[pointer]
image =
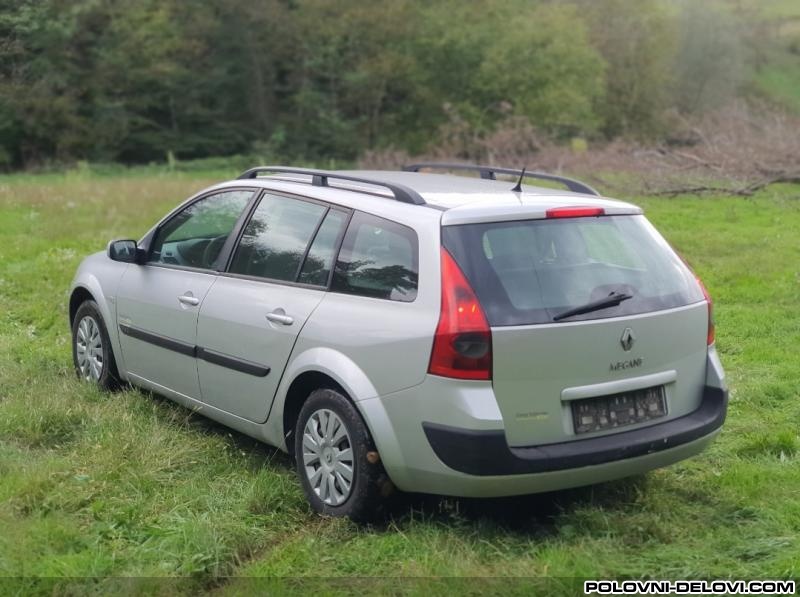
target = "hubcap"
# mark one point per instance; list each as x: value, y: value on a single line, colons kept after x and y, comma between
x: 89, y: 349
x: 328, y: 457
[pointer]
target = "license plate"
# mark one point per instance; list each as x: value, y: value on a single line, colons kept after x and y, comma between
x: 618, y: 410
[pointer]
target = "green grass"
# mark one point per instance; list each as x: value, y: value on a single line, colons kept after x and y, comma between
x: 780, y: 80
x: 97, y: 487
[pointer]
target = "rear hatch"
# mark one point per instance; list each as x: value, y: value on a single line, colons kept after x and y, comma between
x: 572, y: 358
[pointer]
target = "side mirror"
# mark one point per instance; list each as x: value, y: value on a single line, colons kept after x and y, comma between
x: 125, y: 251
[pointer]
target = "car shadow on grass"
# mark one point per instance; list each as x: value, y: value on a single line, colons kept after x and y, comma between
x: 257, y: 453
x: 533, y: 514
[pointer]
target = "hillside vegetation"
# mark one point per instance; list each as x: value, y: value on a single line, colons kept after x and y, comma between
x: 160, y: 80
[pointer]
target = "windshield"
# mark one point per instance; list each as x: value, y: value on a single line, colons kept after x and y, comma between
x: 530, y: 271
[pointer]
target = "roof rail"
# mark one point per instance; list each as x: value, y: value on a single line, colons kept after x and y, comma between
x: 319, y: 178
x: 490, y: 173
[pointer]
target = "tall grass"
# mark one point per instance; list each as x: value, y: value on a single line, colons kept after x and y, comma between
x: 94, y: 487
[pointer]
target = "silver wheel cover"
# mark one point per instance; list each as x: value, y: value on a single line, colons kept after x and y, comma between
x: 89, y: 349
x: 328, y: 457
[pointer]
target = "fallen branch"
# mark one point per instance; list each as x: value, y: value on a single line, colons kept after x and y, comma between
x: 790, y: 177
x: 742, y: 191
x: 698, y: 190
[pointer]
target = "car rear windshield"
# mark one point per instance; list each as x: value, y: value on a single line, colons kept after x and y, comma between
x: 530, y: 271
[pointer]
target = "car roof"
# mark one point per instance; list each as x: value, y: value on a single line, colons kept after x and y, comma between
x: 455, y: 199
x: 471, y: 199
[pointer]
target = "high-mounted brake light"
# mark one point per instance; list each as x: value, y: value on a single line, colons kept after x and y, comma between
x: 462, y: 345
x: 574, y: 212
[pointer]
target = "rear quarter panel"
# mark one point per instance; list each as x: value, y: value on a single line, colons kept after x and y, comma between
x: 371, y: 347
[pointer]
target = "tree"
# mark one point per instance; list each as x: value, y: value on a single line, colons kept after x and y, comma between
x: 543, y: 66
x: 710, y: 62
x: 637, y: 39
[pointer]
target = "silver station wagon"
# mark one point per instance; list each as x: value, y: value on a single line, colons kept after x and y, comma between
x: 437, y: 333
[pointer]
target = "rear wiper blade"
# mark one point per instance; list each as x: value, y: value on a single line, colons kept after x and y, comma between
x: 612, y: 300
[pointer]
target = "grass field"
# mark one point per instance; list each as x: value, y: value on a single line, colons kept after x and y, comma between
x: 96, y: 487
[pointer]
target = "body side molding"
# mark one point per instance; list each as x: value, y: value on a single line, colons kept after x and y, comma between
x: 190, y: 350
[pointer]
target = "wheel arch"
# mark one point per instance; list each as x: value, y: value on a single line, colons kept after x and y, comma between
x: 315, y: 368
x: 79, y: 295
x: 300, y: 389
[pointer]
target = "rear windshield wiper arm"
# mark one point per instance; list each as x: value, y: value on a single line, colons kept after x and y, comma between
x: 612, y: 300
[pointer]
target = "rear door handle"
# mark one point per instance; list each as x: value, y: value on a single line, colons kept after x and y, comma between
x: 188, y: 299
x: 279, y: 316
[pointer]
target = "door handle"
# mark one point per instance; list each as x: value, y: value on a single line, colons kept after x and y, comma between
x: 188, y: 299
x: 279, y: 316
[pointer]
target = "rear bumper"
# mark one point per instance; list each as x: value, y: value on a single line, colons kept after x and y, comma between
x: 467, y: 459
x: 485, y: 452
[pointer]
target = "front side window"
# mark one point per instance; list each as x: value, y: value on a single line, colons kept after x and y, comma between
x: 379, y: 259
x: 195, y: 236
x: 275, y: 239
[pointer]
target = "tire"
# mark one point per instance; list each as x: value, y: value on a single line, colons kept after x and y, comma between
x: 364, y: 500
x: 90, y: 340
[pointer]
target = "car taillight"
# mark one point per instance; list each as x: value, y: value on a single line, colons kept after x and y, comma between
x: 711, y: 331
x: 574, y: 212
x: 462, y: 345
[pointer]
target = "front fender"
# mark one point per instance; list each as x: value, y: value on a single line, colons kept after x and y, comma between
x: 100, y: 276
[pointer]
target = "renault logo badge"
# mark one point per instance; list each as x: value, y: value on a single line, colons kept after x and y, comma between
x: 627, y: 339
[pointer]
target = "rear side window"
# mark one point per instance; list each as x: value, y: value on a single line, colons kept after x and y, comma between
x: 529, y: 271
x: 378, y: 259
x: 318, y: 263
x: 275, y: 239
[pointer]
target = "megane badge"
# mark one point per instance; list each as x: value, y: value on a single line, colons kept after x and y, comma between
x: 627, y: 339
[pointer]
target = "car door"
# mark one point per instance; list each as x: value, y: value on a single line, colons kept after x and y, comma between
x: 158, y: 302
x: 251, y: 317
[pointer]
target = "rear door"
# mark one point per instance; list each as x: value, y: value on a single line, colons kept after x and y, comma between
x: 643, y: 358
x: 158, y: 302
x: 251, y: 318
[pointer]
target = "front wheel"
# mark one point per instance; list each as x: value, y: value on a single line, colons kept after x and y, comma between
x: 91, y: 348
x: 335, y: 458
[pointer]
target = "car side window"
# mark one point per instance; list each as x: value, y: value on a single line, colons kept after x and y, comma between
x: 319, y: 261
x: 275, y: 239
x: 379, y: 259
x: 195, y: 236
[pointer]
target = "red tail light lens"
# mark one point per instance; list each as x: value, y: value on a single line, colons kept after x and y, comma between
x: 574, y: 212
x: 711, y: 329
x: 712, y: 332
x: 462, y: 345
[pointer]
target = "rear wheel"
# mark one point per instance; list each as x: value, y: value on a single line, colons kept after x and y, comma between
x: 336, y: 459
x: 91, y: 348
